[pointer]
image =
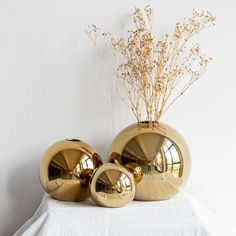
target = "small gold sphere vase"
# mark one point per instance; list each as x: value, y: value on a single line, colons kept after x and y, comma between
x: 157, y: 156
x: 112, y: 185
x: 66, y: 168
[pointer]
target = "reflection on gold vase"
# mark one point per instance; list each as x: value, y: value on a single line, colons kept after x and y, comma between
x: 157, y: 156
x: 66, y: 168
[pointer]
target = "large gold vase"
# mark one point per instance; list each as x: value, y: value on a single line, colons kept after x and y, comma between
x: 157, y: 156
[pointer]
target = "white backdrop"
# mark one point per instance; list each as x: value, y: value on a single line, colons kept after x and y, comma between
x: 55, y: 86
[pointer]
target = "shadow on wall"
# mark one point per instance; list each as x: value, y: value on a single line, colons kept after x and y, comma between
x: 25, y: 191
x: 97, y: 92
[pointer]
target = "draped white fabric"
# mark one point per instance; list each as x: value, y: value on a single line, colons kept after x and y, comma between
x: 180, y: 216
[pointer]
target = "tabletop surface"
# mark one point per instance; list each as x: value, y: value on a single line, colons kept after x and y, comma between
x: 179, y: 216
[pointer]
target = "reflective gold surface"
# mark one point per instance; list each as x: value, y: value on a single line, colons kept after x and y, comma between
x: 112, y: 186
x: 66, y: 168
x: 158, y: 158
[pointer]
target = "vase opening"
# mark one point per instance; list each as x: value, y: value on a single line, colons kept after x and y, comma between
x: 148, y: 124
x: 73, y: 140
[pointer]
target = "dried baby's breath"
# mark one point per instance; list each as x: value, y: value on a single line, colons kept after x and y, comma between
x: 152, y: 69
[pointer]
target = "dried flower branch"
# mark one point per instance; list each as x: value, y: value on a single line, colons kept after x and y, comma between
x: 151, y: 70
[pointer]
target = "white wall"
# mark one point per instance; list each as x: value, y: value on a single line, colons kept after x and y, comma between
x: 54, y: 86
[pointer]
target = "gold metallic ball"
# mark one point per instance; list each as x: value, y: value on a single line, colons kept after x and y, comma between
x: 66, y: 168
x: 158, y: 158
x: 112, y: 186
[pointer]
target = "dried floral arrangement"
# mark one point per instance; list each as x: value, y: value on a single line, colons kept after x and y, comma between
x: 150, y: 70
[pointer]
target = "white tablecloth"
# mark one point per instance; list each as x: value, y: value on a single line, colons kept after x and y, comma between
x: 180, y: 216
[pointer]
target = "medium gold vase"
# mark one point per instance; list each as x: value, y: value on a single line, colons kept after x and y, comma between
x: 66, y: 168
x: 157, y: 156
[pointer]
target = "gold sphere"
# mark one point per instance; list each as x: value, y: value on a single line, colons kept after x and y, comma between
x: 157, y: 156
x: 112, y: 186
x: 66, y: 168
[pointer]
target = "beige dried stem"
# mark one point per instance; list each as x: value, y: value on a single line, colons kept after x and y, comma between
x: 150, y: 70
